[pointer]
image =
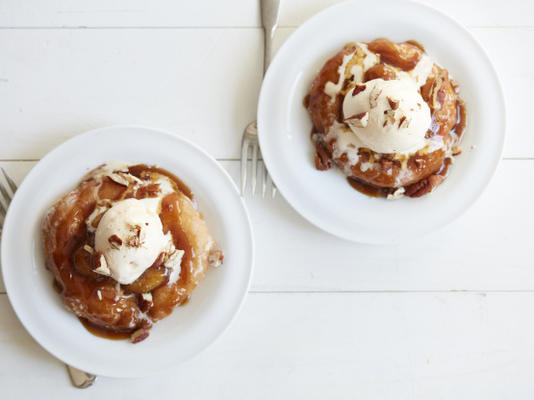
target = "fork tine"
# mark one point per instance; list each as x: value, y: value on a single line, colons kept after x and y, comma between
x: 5, y: 194
x: 264, y: 180
x: 254, y: 166
x: 10, y: 182
x: 3, y: 212
x: 244, y: 161
x: 274, y: 188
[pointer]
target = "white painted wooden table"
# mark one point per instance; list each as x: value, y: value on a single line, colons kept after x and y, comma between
x: 448, y: 317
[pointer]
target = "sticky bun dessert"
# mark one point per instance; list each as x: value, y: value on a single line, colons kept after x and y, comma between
x: 388, y: 116
x: 126, y: 247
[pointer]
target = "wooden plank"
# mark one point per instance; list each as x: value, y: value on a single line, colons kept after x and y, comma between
x: 129, y: 13
x: 234, y: 13
x: 470, y: 13
x: 486, y: 249
x: 200, y: 83
x: 58, y: 83
x: 316, y: 346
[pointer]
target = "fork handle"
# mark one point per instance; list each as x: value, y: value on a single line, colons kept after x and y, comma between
x: 270, y: 10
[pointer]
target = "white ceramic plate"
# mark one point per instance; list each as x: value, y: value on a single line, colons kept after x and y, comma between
x: 324, y: 197
x: 189, y: 329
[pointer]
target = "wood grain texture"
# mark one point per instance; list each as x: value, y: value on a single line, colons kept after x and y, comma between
x: 326, y: 318
x: 486, y: 249
x: 58, y: 83
x: 202, y: 84
x: 317, y: 346
x: 229, y: 13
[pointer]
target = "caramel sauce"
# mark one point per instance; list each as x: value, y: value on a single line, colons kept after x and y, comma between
x: 367, y: 189
x: 416, y: 44
x: 103, y: 332
x: 140, y: 169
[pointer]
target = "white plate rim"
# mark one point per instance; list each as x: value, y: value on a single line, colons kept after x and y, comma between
x: 278, y: 175
x: 8, y: 222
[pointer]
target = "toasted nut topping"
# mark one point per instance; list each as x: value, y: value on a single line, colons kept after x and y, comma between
x: 394, y: 104
x: 358, y: 89
x: 100, y: 265
x: 145, y: 302
x: 373, y: 98
x: 215, y: 258
x: 139, y: 335
x: 404, y: 122
x: 120, y: 179
x: 358, y: 120
x: 397, y: 194
x: 115, y: 241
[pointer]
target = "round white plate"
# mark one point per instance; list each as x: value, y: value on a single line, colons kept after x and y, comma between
x: 189, y: 329
x: 324, y: 197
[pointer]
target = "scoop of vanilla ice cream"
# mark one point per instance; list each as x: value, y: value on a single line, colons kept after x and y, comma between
x: 130, y: 236
x: 388, y: 116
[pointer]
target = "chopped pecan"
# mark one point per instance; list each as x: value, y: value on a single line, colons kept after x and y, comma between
x: 135, y: 239
x: 144, y: 301
x: 215, y: 258
x: 358, y: 89
x: 347, y: 82
x: 99, y: 263
x: 394, y: 104
x: 424, y: 186
x: 119, y: 178
x: 358, y: 120
x: 437, y: 90
x: 115, y: 241
x: 139, y: 335
x: 373, y: 97
x: 323, y: 161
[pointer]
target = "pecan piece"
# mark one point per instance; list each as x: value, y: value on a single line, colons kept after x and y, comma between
x: 373, y: 97
x: 215, y: 258
x: 437, y: 90
x: 139, y: 335
x: 115, y: 241
x: 424, y: 186
x: 144, y: 301
x: 99, y: 264
x: 358, y: 120
x: 323, y: 160
x: 358, y: 89
x: 394, y: 104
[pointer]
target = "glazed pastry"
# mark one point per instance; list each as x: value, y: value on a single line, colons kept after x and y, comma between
x: 388, y: 116
x: 126, y: 247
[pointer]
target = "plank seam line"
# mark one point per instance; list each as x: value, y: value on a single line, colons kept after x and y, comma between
x: 220, y: 27
x: 450, y: 291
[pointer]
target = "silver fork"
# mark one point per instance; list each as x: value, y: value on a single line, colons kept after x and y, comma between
x: 79, y: 379
x: 270, y: 10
